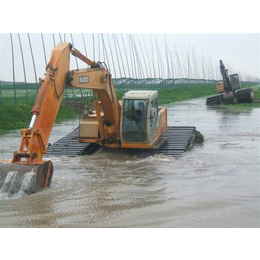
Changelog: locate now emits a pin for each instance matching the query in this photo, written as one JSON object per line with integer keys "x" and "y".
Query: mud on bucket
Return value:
{"x": 15, "y": 178}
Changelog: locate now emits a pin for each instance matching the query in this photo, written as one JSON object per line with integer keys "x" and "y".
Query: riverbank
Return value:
{"x": 167, "y": 96}
{"x": 17, "y": 117}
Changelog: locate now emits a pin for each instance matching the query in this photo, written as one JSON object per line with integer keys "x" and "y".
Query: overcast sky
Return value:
{"x": 239, "y": 52}
{"x": 211, "y": 40}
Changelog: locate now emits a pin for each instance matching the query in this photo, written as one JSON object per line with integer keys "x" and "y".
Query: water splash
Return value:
{"x": 11, "y": 183}
{"x": 29, "y": 183}
{"x": 17, "y": 185}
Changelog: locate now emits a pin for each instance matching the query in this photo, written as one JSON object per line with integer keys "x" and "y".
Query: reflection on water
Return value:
{"x": 214, "y": 185}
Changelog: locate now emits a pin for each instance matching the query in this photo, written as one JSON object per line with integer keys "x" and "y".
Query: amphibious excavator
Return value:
{"x": 137, "y": 122}
{"x": 229, "y": 90}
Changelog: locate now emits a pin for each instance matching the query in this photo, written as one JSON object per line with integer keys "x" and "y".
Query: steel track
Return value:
{"x": 176, "y": 141}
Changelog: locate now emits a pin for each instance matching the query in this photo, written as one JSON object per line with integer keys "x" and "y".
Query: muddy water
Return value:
{"x": 216, "y": 184}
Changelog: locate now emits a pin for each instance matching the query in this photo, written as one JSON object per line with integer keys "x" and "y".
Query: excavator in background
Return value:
{"x": 137, "y": 122}
{"x": 229, "y": 91}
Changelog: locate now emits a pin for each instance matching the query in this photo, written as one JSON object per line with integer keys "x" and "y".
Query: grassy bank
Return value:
{"x": 17, "y": 117}
{"x": 169, "y": 95}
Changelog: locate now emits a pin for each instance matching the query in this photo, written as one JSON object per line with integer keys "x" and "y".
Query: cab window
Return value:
{"x": 134, "y": 120}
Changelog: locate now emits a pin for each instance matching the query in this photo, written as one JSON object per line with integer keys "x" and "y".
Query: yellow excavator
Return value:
{"x": 137, "y": 123}
{"x": 229, "y": 90}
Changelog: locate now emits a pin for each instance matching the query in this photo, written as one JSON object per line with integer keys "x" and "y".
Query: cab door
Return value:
{"x": 134, "y": 125}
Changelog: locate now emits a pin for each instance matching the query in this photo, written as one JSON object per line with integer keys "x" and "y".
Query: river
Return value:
{"x": 216, "y": 184}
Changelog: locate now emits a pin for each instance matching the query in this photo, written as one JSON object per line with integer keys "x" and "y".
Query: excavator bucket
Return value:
{"x": 24, "y": 178}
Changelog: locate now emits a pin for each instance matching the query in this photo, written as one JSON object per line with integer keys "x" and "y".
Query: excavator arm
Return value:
{"x": 44, "y": 112}
{"x": 35, "y": 138}
{"x": 225, "y": 76}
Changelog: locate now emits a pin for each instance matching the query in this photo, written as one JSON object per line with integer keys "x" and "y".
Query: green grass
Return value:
{"x": 167, "y": 96}
{"x": 180, "y": 93}
{"x": 18, "y": 117}
{"x": 14, "y": 117}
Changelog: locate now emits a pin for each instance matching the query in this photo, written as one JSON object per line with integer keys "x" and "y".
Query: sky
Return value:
{"x": 208, "y": 32}
{"x": 239, "y": 52}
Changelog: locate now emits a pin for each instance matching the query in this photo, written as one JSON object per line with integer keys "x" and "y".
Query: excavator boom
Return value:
{"x": 226, "y": 80}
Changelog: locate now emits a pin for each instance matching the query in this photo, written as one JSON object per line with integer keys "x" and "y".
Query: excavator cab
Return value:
{"x": 134, "y": 127}
{"x": 235, "y": 82}
{"x": 140, "y": 116}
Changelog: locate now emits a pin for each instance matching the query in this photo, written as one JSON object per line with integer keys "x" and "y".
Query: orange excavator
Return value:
{"x": 136, "y": 123}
